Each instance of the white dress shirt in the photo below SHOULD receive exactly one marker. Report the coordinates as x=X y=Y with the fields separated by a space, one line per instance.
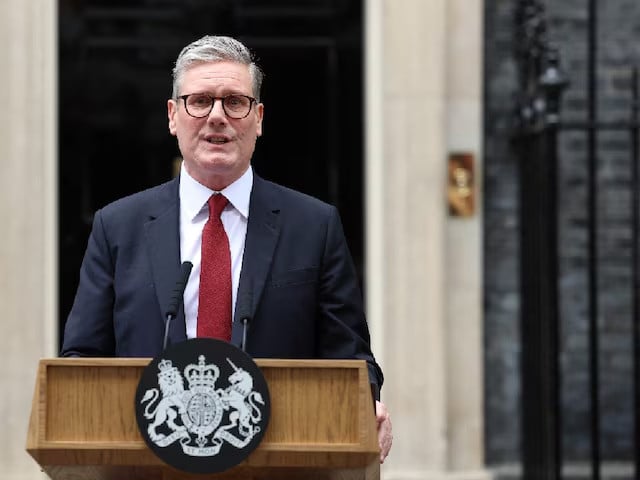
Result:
x=194 y=213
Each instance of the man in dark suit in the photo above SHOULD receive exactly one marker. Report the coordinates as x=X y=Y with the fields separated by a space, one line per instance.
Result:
x=289 y=269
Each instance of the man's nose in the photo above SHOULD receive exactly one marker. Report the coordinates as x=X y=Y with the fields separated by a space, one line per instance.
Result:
x=217 y=111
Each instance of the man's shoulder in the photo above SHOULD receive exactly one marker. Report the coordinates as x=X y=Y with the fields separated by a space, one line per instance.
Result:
x=141 y=206
x=290 y=198
x=159 y=195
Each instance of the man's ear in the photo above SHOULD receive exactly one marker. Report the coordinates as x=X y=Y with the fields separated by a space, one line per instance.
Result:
x=260 y=115
x=172 y=111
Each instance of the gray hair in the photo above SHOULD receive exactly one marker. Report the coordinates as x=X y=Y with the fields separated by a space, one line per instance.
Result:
x=216 y=49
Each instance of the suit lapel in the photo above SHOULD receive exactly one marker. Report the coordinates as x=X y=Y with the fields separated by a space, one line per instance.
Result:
x=263 y=230
x=163 y=244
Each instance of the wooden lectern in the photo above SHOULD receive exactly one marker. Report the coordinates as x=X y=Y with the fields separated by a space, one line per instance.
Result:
x=322 y=425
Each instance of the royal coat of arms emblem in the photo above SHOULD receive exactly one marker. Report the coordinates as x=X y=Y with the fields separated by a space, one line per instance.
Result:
x=211 y=408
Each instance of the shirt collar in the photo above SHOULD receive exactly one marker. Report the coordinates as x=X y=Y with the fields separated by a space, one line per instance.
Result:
x=194 y=195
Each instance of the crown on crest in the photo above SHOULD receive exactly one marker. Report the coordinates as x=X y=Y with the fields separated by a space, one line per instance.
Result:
x=165 y=365
x=167 y=370
x=201 y=375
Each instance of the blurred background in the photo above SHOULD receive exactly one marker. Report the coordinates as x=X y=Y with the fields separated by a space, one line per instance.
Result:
x=483 y=156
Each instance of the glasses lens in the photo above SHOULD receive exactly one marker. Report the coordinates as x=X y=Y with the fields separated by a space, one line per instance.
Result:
x=237 y=106
x=198 y=105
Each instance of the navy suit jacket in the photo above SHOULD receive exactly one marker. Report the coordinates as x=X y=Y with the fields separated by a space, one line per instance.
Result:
x=297 y=283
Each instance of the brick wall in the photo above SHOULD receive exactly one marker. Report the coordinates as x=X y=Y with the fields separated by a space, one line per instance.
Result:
x=619 y=49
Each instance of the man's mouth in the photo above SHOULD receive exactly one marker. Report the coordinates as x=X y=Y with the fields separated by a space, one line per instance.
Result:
x=217 y=139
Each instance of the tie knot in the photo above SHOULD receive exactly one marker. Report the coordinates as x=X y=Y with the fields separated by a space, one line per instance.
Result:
x=217 y=202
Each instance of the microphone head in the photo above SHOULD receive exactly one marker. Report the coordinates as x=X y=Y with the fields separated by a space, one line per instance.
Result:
x=244 y=307
x=185 y=269
x=178 y=291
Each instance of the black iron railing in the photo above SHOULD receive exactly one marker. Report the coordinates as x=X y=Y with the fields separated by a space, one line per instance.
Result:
x=537 y=118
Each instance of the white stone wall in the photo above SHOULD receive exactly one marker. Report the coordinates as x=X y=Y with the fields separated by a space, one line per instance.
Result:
x=28 y=215
x=424 y=298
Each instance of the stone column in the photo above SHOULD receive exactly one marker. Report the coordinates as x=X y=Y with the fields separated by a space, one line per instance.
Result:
x=423 y=268
x=463 y=250
x=28 y=211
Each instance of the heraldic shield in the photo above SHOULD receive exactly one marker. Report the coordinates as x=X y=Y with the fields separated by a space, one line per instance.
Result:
x=202 y=406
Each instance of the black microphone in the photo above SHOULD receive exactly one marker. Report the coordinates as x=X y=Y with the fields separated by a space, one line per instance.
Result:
x=245 y=328
x=245 y=306
x=176 y=298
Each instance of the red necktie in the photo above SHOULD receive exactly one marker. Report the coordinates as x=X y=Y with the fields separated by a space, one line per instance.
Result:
x=214 y=308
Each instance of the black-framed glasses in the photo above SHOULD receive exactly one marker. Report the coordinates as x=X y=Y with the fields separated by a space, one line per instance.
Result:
x=199 y=105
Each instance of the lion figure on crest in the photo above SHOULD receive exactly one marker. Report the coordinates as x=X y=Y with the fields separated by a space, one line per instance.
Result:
x=171 y=404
